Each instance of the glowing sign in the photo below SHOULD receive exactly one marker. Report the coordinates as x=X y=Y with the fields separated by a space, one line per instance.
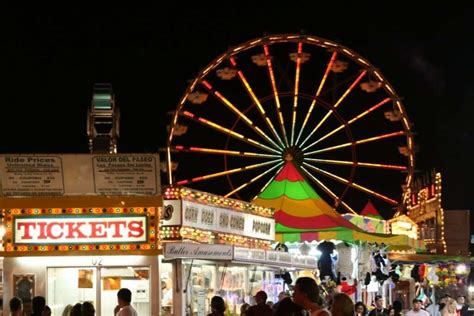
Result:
x=80 y=229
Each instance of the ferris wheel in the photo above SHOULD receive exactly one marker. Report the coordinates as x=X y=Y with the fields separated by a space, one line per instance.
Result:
x=295 y=98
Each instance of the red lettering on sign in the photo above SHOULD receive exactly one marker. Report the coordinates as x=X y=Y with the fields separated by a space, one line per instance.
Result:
x=98 y=230
x=50 y=230
x=135 y=229
x=27 y=232
x=117 y=226
x=62 y=230
x=75 y=228
x=42 y=230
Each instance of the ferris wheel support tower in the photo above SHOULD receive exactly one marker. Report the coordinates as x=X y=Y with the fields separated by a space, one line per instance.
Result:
x=103 y=119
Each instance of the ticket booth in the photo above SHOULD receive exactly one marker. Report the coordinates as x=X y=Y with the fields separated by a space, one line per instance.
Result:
x=72 y=250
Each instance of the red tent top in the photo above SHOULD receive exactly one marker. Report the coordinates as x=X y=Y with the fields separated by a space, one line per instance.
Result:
x=370 y=211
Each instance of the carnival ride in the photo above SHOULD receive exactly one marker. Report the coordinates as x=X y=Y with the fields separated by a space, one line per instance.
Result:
x=103 y=119
x=295 y=98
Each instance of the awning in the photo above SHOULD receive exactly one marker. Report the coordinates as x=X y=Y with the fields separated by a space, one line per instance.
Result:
x=427 y=258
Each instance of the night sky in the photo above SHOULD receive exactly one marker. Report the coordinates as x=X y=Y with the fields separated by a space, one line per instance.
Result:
x=52 y=58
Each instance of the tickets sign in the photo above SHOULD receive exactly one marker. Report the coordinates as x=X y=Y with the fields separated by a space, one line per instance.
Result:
x=80 y=229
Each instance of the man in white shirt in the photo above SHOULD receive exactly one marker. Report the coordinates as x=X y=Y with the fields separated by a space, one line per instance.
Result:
x=124 y=297
x=433 y=309
x=416 y=310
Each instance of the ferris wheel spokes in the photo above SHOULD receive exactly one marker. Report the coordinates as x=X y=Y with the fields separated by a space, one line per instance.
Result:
x=275 y=92
x=349 y=122
x=222 y=152
x=295 y=96
x=290 y=100
x=253 y=180
x=237 y=112
x=223 y=173
x=226 y=131
x=344 y=95
x=357 y=142
x=254 y=98
x=328 y=191
x=356 y=164
x=351 y=184
x=318 y=92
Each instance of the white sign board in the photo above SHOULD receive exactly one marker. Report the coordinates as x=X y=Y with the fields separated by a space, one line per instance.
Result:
x=171 y=214
x=291 y=259
x=126 y=174
x=217 y=219
x=198 y=251
x=32 y=175
x=84 y=174
x=248 y=254
x=80 y=229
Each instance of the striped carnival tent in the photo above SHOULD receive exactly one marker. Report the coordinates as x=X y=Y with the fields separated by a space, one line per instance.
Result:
x=369 y=220
x=302 y=215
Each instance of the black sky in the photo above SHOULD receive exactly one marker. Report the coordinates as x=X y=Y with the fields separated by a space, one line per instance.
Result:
x=53 y=56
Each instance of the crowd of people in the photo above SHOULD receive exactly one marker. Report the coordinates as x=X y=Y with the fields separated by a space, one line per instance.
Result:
x=39 y=307
x=306 y=301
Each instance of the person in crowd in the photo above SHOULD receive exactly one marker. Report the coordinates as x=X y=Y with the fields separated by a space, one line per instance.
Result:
x=360 y=309
x=37 y=305
x=167 y=293
x=16 y=306
x=342 y=305
x=217 y=306
x=261 y=309
x=306 y=295
x=76 y=310
x=416 y=310
x=462 y=308
x=432 y=308
x=450 y=309
x=88 y=309
x=281 y=296
x=67 y=310
x=443 y=300
x=379 y=310
x=287 y=307
x=47 y=311
x=243 y=309
x=397 y=307
x=124 y=298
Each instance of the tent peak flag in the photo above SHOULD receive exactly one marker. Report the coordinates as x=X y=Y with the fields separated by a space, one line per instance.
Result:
x=370 y=211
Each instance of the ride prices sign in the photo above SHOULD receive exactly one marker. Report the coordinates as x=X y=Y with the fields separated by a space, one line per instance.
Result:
x=79 y=230
x=26 y=175
x=85 y=174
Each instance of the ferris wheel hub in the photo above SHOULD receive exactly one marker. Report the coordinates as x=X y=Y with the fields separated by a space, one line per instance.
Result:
x=293 y=154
